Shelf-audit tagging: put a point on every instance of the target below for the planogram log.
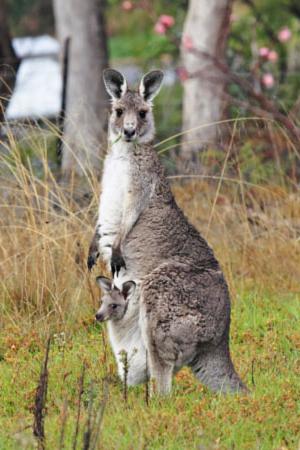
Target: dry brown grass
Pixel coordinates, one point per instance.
(46, 227)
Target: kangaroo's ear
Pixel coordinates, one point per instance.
(104, 283)
(128, 288)
(151, 84)
(115, 83)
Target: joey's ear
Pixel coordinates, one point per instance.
(104, 283)
(128, 288)
(151, 84)
(115, 83)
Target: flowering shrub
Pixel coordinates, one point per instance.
(284, 34)
(262, 44)
(268, 80)
(163, 23)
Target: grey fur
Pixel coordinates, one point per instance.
(185, 304)
(185, 314)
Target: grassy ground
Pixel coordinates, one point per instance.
(45, 289)
(265, 338)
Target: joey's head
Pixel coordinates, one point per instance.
(131, 117)
(114, 301)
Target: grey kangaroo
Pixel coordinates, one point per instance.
(174, 333)
(119, 308)
(141, 233)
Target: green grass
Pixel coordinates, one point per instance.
(45, 287)
(265, 336)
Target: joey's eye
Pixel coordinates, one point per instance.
(119, 112)
(142, 114)
(114, 306)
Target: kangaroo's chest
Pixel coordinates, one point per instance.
(115, 184)
(127, 338)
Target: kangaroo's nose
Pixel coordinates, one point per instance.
(99, 317)
(129, 132)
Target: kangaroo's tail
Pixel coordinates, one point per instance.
(215, 369)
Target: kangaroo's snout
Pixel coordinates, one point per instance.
(99, 317)
(129, 133)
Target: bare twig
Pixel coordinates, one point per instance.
(88, 429)
(40, 402)
(264, 103)
(80, 393)
(99, 415)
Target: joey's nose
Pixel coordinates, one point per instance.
(129, 133)
(99, 317)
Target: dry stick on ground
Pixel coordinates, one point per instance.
(80, 393)
(99, 415)
(265, 104)
(88, 428)
(40, 402)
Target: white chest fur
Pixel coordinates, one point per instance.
(115, 183)
(125, 336)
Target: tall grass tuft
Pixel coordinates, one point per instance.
(46, 225)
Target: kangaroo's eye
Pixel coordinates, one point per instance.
(142, 114)
(114, 306)
(119, 112)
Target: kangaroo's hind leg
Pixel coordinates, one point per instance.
(161, 373)
(160, 369)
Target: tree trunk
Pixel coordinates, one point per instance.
(9, 62)
(204, 34)
(86, 101)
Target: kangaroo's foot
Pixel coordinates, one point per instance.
(161, 376)
(117, 261)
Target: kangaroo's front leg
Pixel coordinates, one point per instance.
(93, 250)
(132, 209)
(130, 216)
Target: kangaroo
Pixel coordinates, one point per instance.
(122, 316)
(175, 333)
(140, 227)
(184, 318)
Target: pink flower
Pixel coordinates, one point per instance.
(187, 42)
(284, 34)
(182, 74)
(268, 80)
(263, 52)
(272, 56)
(167, 21)
(159, 28)
(127, 5)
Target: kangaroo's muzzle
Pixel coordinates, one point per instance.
(129, 133)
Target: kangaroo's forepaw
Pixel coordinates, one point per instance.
(117, 262)
(92, 259)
